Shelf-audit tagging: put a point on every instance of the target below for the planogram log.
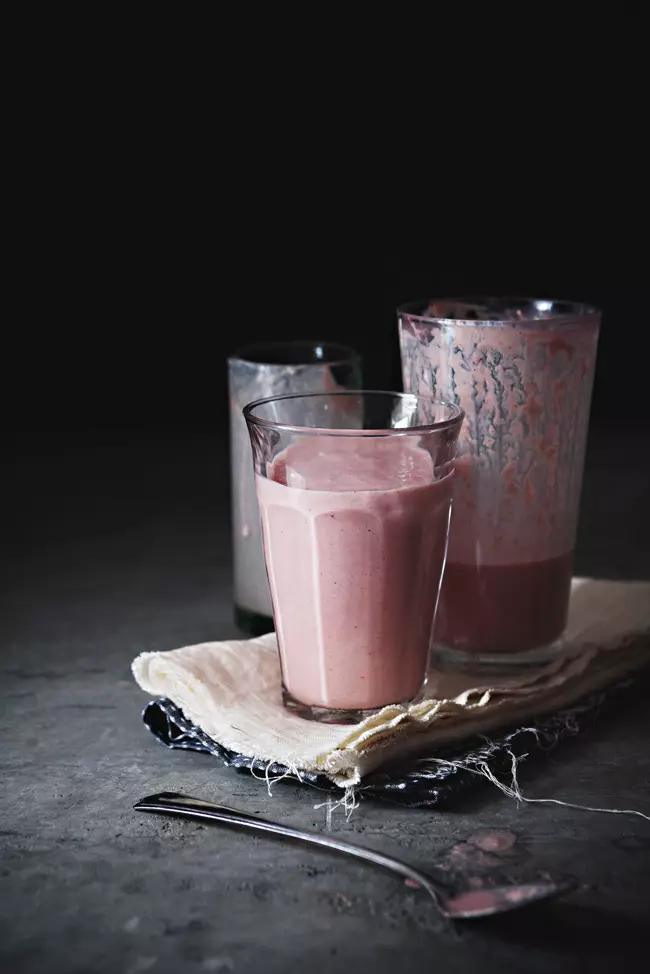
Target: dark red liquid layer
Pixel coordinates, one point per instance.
(504, 608)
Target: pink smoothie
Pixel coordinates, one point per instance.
(354, 533)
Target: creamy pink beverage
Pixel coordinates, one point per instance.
(354, 537)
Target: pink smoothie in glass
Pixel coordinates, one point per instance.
(354, 533)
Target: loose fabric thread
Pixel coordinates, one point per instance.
(513, 790)
(348, 802)
(288, 773)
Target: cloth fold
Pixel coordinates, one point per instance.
(231, 690)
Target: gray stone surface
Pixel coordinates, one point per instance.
(120, 547)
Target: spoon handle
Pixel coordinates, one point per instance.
(171, 803)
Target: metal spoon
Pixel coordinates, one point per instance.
(461, 906)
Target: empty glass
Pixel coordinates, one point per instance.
(271, 369)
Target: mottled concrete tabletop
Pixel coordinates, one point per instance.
(117, 545)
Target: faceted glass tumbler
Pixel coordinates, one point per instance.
(354, 490)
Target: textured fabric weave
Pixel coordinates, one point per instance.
(231, 690)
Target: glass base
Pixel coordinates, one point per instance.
(325, 715)
(252, 623)
(447, 658)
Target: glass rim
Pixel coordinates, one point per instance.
(253, 354)
(546, 317)
(455, 420)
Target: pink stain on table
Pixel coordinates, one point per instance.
(493, 841)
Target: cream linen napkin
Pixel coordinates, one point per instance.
(231, 690)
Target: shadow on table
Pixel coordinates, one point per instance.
(590, 930)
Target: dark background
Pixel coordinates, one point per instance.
(109, 350)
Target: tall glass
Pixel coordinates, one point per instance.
(271, 369)
(523, 371)
(354, 492)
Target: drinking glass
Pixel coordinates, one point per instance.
(354, 491)
(255, 372)
(522, 369)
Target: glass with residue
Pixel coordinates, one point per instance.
(522, 370)
(256, 372)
